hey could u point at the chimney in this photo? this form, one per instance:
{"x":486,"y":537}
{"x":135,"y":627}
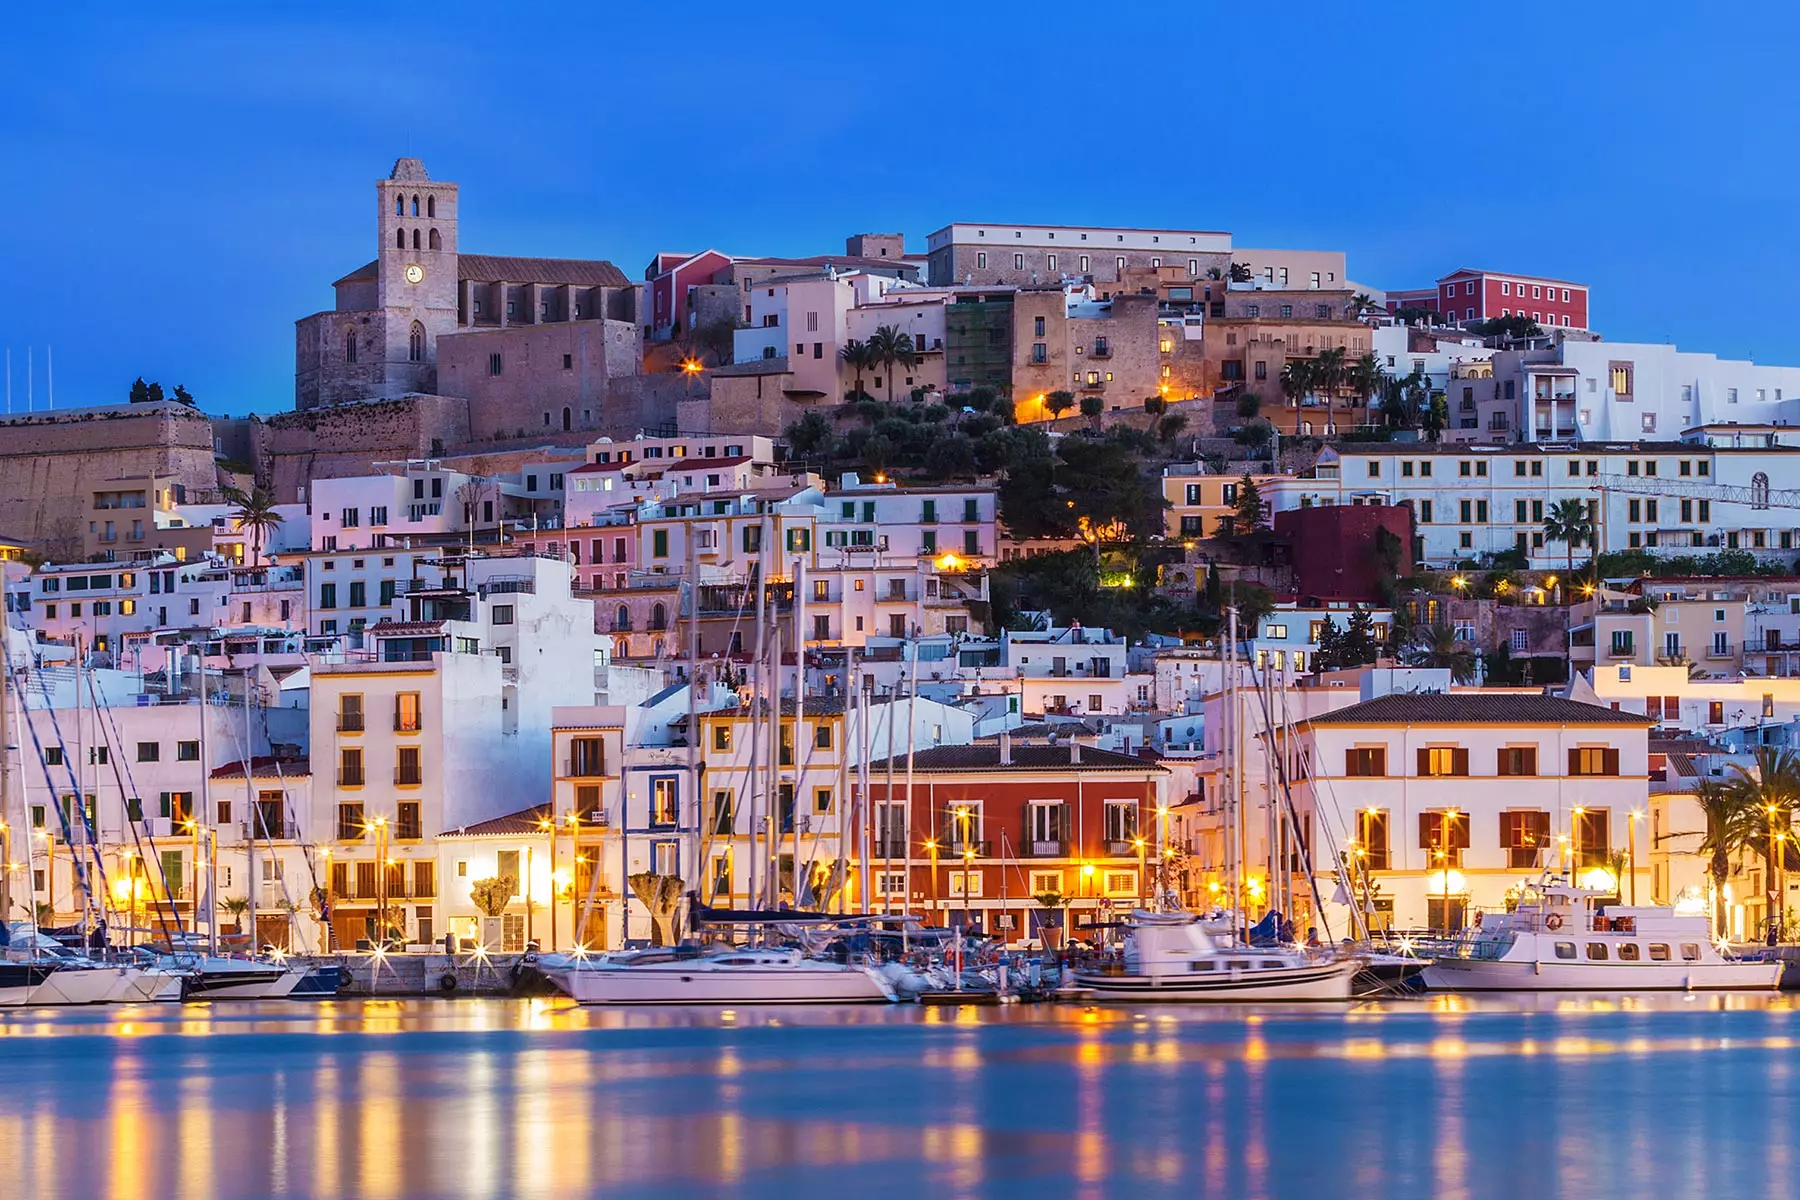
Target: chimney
{"x":1006,"y":747}
{"x":1074,"y":751}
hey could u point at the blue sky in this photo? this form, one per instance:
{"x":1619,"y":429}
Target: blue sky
{"x":177,"y":191}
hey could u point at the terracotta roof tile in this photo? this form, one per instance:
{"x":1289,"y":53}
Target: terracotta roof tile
{"x":1437,"y":708}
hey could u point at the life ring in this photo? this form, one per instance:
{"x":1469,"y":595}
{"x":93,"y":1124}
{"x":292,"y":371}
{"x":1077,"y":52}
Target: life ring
{"x":446,"y":983}
{"x":1553,"y":921}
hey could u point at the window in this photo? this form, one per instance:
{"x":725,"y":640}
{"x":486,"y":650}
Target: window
{"x":721,"y":737}
{"x":503,"y":614}
{"x":149,"y":751}
{"x":1628,"y":952}
{"x":1659,"y":952}
{"x":506,"y":866}
{"x":1565,"y":950}
{"x":1593,"y":760}
{"x":587,"y":757}
{"x":1443,"y":760}
{"x":663,"y":801}
{"x":349,"y":823}
{"x":350,"y":713}
{"x":1524,"y":835}
{"x":187,"y":751}
{"x":1365,"y":761}
{"x":1445,"y":833}
{"x":350,"y":767}
{"x":1516,"y":760}
{"x":1372,"y":839}
{"x":1596,"y":951}
{"x":407,"y":770}
{"x":406,"y":814}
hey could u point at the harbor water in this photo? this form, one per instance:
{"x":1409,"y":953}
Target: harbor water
{"x":1438,"y":1096}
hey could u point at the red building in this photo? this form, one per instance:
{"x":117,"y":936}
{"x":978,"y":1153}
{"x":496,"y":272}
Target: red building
{"x":670,"y":276}
{"x":1469,"y":295}
{"x":988,"y":827}
{"x":1335,"y":552}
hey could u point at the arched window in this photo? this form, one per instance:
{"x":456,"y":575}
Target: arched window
{"x":399,"y":206}
{"x":433,"y":241}
{"x":350,"y":345}
{"x":399,"y":239}
{"x":415,"y":206}
{"x":621,"y":647}
{"x":659,"y":617}
{"x":1759,"y":490}
{"x":567,"y":425}
{"x":622,"y":619}
{"x":431,"y":206}
{"x":415,"y":343}
{"x":415,"y":239}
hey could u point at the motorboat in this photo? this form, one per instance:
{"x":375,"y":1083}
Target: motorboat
{"x":19,"y":979}
{"x":1171,"y":957}
{"x":687,"y":975}
{"x":213,"y":977}
{"x":66,"y":976}
{"x":1563,"y":938}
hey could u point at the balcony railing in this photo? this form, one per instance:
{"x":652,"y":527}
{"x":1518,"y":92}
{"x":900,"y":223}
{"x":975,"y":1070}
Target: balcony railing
{"x":582,"y":768}
{"x":1121,"y":849}
{"x":350,"y":778}
{"x":1053,"y":848}
{"x":408,"y":778}
{"x":1721,"y":650}
{"x":350,"y":724}
{"x":1621,"y":650}
{"x":889,"y":848}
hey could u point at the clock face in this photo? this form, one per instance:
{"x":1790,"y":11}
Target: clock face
{"x":414,"y":273}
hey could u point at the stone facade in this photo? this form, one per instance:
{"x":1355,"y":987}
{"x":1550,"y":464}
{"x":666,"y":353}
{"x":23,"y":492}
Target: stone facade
{"x":1124,"y":350}
{"x":52,"y":466}
{"x":530,"y":379}
{"x":1022,"y":255}
{"x":295,"y":448}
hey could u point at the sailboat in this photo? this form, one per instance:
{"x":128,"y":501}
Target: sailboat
{"x":1171,"y":957}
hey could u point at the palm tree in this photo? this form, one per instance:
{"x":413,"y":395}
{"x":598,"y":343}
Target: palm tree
{"x":255,"y":514}
{"x":890,"y":346}
{"x":1296,"y":380}
{"x":1367,"y":378}
{"x":1362,"y":302}
{"x":1568,"y":522}
{"x":1437,"y":646}
{"x":1730,"y":821}
{"x":859,"y":357}
{"x":1769,"y":790}
{"x":1329,"y":372}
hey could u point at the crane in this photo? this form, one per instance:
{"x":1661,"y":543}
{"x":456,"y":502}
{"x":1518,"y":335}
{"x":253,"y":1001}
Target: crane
{"x":1687,"y":489}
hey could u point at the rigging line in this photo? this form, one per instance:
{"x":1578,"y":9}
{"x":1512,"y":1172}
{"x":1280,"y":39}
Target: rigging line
{"x":1289,"y":816}
{"x":79,"y":870}
{"x":127,"y":786}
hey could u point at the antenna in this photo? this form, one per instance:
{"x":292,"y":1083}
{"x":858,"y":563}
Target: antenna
{"x":50,"y":373}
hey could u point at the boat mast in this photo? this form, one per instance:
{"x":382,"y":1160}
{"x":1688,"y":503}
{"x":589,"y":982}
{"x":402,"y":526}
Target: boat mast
{"x":772,"y":778}
{"x":753,"y":872}
{"x":7,"y":831}
{"x":887,"y":799}
{"x":865,"y":808}
{"x":698,"y":847}
{"x":250,"y":810}
{"x":799,"y":712}
{"x":912,"y":690}
{"x":202,"y":820}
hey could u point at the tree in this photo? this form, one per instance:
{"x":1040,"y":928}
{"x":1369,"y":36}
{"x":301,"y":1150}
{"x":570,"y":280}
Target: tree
{"x":661,"y":894}
{"x":1352,"y":646}
{"x":1769,"y":789}
{"x":1249,"y":405}
{"x":183,"y":396}
{"x":858,"y":356}
{"x":1438,"y":647}
{"x":152,"y":393}
{"x":1296,"y":380}
{"x":1250,"y":512}
{"x":811,"y":434}
{"x":1254,"y":434}
{"x":1437,"y":416}
{"x":952,"y":456}
{"x":1568,"y":522}
{"x":1091,"y":408}
{"x":237,"y":906}
{"x":255,"y":513}
{"x":1514,"y":327}
{"x":1329,"y":371}
{"x":1730,"y":821}
{"x":716,"y":338}
{"x":1169,"y":427}
{"x":1367,"y":379}
{"x":892,"y":347}
{"x":493,"y":894}
{"x":1059,"y":402}
{"x":1155,"y":405}
{"x":140,"y":391}
{"x":1415,"y":315}
{"x":1240,"y":272}
{"x":1361,"y":303}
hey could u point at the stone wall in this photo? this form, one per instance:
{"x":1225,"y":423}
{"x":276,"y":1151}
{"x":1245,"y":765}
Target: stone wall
{"x":527,"y":380}
{"x":51,"y":464}
{"x":295,"y":448}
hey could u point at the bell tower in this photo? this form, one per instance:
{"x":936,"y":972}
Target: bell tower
{"x":416,"y":284}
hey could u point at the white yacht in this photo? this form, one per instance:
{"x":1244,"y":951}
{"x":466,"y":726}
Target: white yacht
{"x":1171,"y":957}
{"x":211,"y":977}
{"x":727,"y":976}
{"x":60,"y":975}
{"x":1560,"y":938}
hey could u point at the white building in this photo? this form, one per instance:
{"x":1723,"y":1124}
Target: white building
{"x":442,"y":723}
{"x":1075,"y":671}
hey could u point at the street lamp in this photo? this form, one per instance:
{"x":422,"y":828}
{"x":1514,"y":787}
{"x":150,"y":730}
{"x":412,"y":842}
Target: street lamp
{"x":931,"y":849}
{"x":1631,"y":820}
{"x":968,"y":857}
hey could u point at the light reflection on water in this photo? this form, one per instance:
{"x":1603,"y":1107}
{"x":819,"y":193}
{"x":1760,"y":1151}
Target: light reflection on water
{"x":1446,"y":1096}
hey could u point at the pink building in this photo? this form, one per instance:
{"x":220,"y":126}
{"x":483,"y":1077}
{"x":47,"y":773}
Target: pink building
{"x":670,"y":277}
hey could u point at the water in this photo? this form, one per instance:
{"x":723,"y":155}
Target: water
{"x":1439,"y":1097}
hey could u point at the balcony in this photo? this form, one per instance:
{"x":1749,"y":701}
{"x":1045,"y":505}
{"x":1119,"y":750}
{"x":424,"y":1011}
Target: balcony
{"x":582,"y":768}
{"x":1122,"y":849}
{"x":1101,"y":350}
{"x":1621,"y":650}
{"x":408,"y":778}
{"x":1054,"y":848}
{"x":889,"y":848}
{"x":948,"y":849}
{"x":350,"y":778}
{"x":1721,"y":650}
{"x":348,"y":723}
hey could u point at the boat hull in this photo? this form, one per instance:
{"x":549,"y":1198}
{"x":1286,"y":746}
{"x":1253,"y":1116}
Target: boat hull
{"x":694,"y":983}
{"x":1458,"y":975}
{"x":266,"y":983}
{"x":1326,"y":981}
{"x":83,"y":985}
{"x":17,"y":980}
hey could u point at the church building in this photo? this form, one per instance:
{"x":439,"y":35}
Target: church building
{"x":531,"y":343}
